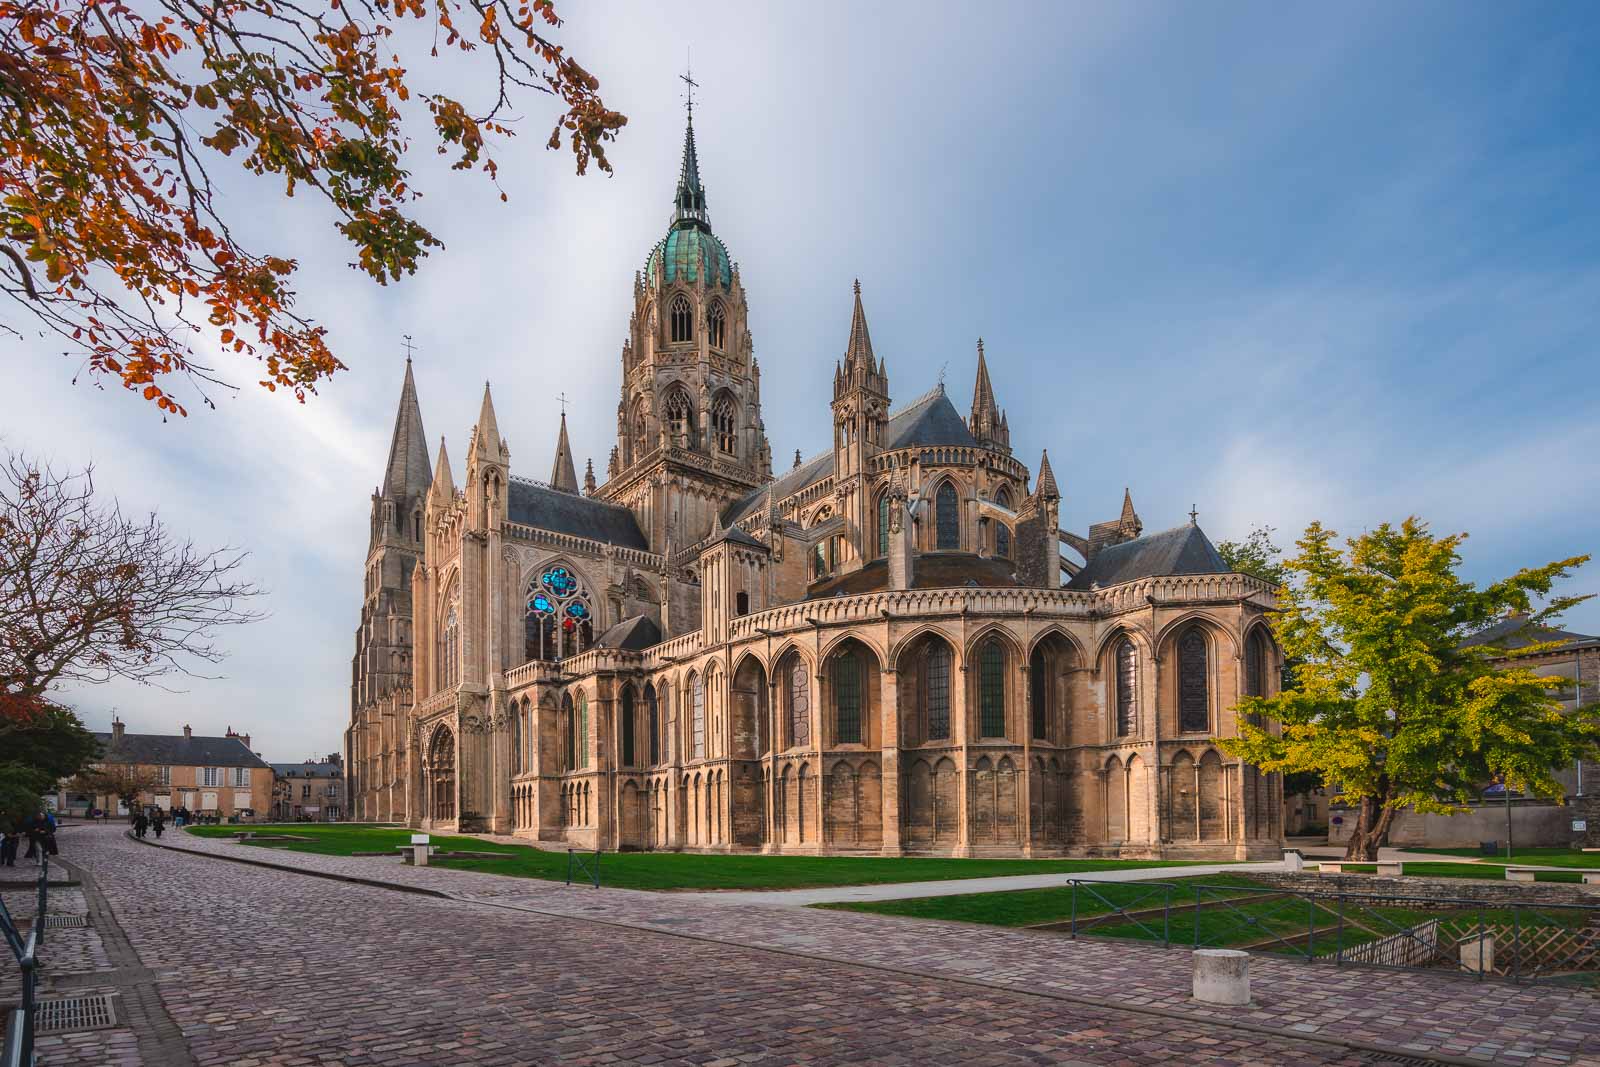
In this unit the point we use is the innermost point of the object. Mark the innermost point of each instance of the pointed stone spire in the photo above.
(563, 475)
(408, 470)
(588, 478)
(487, 447)
(1129, 519)
(1045, 487)
(859, 349)
(689, 204)
(444, 486)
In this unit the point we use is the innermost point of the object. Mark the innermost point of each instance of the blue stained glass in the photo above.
(577, 609)
(541, 604)
(560, 581)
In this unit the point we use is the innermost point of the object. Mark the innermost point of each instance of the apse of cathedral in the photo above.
(890, 647)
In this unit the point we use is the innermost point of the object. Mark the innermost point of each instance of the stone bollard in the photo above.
(1221, 976)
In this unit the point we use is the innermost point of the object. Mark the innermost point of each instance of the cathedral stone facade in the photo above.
(890, 648)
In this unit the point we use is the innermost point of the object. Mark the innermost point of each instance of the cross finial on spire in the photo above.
(408, 346)
(687, 77)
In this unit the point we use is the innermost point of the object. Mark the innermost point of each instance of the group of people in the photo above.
(143, 823)
(38, 829)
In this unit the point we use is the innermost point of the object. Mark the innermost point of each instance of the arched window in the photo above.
(569, 734)
(680, 418)
(583, 729)
(1127, 688)
(682, 316)
(1002, 540)
(991, 690)
(450, 649)
(883, 524)
(558, 620)
(627, 725)
(717, 322)
(653, 713)
(722, 425)
(947, 519)
(798, 694)
(697, 715)
(1194, 705)
(847, 698)
(936, 690)
(1039, 693)
(1255, 664)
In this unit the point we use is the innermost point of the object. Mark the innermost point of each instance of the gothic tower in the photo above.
(860, 419)
(690, 438)
(382, 660)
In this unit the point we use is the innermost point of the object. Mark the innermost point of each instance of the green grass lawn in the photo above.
(673, 870)
(1542, 857)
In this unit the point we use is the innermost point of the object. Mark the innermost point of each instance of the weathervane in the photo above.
(687, 77)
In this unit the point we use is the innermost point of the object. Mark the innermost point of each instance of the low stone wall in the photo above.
(1435, 888)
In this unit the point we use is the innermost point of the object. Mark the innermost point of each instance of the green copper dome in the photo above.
(688, 254)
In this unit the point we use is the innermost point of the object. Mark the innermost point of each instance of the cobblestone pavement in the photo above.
(261, 965)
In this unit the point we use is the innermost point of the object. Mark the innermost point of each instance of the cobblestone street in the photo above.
(219, 962)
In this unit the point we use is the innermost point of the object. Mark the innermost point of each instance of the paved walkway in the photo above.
(251, 962)
(1000, 884)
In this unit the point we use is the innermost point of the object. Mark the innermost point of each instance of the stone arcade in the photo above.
(889, 648)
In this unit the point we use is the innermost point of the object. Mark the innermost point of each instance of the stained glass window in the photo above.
(1002, 540)
(1194, 712)
(799, 702)
(697, 715)
(718, 321)
(936, 687)
(1127, 688)
(947, 518)
(1255, 665)
(653, 710)
(847, 698)
(583, 729)
(883, 524)
(560, 621)
(1039, 693)
(992, 690)
(627, 725)
(682, 316)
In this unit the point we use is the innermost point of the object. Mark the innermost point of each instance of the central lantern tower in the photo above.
(690, 439)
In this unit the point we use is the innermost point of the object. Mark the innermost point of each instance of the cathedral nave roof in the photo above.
(544, 508)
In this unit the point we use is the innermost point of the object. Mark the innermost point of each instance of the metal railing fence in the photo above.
(17, 1050)
(1517, 941)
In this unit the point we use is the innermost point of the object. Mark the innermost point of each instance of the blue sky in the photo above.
(1279, 262)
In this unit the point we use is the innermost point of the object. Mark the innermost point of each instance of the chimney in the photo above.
(116, 731)
(188, 734)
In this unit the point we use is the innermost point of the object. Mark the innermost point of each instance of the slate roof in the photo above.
(1181, 550)
(933, 570)
(308, 770)
(581, 516)
(175, 750)
(930, 420)
(635, 634)
(1515, 632)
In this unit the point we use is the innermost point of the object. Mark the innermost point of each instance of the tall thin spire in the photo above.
(408, 470)
(563, 475)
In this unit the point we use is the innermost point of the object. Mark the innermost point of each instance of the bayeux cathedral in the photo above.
(890, 648)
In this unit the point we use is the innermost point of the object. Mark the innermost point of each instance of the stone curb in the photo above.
(1069, 998)
(352, 879)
